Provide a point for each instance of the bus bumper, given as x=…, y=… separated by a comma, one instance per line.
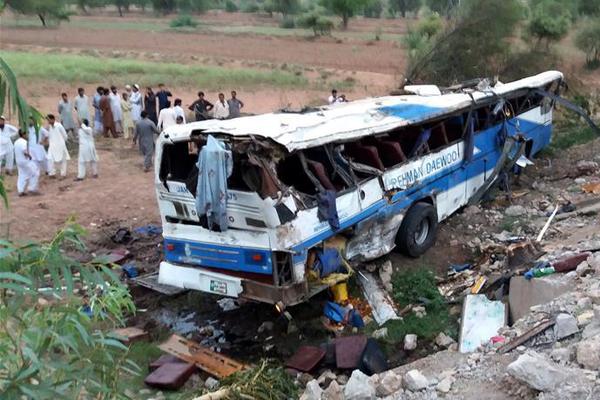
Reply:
x=205, y=280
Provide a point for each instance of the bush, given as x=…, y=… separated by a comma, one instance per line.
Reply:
x=319, y=24
x=587, y=40
x=287, y=23
x=250, y=7
x=230, y=6
x=550, y=20
x=183, y=21
x=373, y=9
x=430, y=26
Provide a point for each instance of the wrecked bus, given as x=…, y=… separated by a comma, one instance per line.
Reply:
x=364, y=177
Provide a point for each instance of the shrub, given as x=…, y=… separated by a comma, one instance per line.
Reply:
x=373, y=9
x=550, y=20
x=287, y=23
x=230, y=6
x=587, y=40
x=250, y=7
x=183, y=21
x=319, y=24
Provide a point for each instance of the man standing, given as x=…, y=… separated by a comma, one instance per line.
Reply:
x=7, y=153
x=127, y=120
x=108, y=121
x=57, y=149
x=201, y=107
x=235, y=105
x=150, y=104
x=167, y=117
x=163, y=97
x=36, y=149
x=115, y=107
x=65, y=110
x=136, y=103
x=221, y=108
x=87, y=151
x=333, y=98
x=145, y=130
x=178, y=110
x=81, y=105
x=27, y=170
x=98, y=127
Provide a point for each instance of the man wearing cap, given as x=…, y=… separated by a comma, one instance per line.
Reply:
x=7, y=154
x=136, y=103
x=57, y=148
x=27, y=170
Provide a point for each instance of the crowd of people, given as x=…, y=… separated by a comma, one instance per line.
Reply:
x=42, y=148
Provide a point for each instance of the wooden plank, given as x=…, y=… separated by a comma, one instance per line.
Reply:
x=536, y=330
x=130, y=335
x=207, y=360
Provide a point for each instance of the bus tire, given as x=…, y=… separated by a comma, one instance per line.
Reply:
x=418, y=230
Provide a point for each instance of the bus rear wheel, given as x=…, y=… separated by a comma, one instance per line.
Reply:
x=418, y=230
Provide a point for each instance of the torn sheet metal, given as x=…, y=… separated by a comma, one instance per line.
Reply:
x=374, y=238
x=481, y=319
x=383, y=308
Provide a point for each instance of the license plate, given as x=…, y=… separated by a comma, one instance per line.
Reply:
x=219, y=287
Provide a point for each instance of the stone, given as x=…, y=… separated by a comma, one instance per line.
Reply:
x=515, y=211
x=524, y=293
x=566, y=325
x=380, y=333
x=371, y=267
x=312, y=392
x=359, y=387
x=342, y=379
x=211, y=383
x=588, y=353
x=584, y=269
x=304, y=378
x=445, y=385
x=385, y=274
x=333, y=392
x=537, y=372
x=586, y=167
x=562, y=355
x=584, y=303
x=410, y=342
x=444, y=340
x=388, y=384
x=414, y=380
x=326, y=378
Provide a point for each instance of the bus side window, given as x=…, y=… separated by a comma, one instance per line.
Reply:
x=438, y=137
x=455, y=127
x=291, y=172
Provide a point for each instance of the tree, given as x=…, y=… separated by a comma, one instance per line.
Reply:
x=85, y=4
x=164, y=6
x=442, y=7
x=474, y=43
x=550, y=20
x=373, y=9
x=44, y=9
x=192, y=5
x=319, y=24
x=286, y=7
x=344, y=8
x=589, y=7
x=587, y=40
x=404, y=6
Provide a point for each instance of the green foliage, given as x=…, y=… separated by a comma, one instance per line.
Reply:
x=269, y=7
x=230, y=6
x=430, y=26
x=266, y=381
x=164, y=6
x=404, y=6
x=49, y=347
x=319, y=24
x=373, y=9
x=199, y=6
x=183, y=21
x=589, y=7
x=11, y=99
x=587, y=40
x=45, y=10
x=286, y=7
x=249, y=7
x=550, y=20
x=474, y=43
x=443, y=7
x=345, y=9
x=287, y=22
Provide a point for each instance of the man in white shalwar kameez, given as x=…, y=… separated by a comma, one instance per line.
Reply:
x=37, y=151
x=167, y=117
x=115, y=107
x=7, y=152
x=87, y=151
x=82, y=105
x=136, y=103
x=27, y=181
x=57, y=149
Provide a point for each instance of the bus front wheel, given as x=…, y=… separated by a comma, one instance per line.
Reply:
x=418, y=230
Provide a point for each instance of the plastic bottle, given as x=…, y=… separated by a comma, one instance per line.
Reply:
x=538, y=272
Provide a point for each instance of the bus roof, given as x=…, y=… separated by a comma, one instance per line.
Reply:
x=352, y=120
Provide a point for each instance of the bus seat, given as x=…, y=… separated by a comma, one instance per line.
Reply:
x=319, y=171
x=367, y=155
x=391, y=153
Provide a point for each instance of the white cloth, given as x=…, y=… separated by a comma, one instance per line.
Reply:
x=87, y=147
x=57, y=149
x=36, y=149
x=179, y=112
x=221, y=110
x=115, y=106
x=27, y=170
x=83, y=108
x=7, y=153
x=82, y=168
x=166, y=118
x=62, y=166
x=332, y=99
x=136, y=106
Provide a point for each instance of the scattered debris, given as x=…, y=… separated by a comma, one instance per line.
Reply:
x=565, y=326
x=513, y=344
x=359, y=387
x=410, y=342
x=150, y=281
x=414, y=380
x=170, y=376
x=373, y=361
x=444, y=341
x=481, y=320
x=228, y=304
x=130, y=335
x=592, y=187
x=349, y=351
x=383, y=308
x=525, y=293
x=537, y=372
x=306, y=358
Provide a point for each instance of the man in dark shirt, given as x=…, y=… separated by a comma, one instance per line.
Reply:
x=163, y=97
x=235, y=105
x=150, y=105
x=201, y=107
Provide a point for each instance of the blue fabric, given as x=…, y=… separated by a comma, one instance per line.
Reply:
x=327, y=209
x=214, y=167
x=130, y=270
x=421, y=140
x=334, y=312
x=356, y=320
x=328, y=262
x=148, y=230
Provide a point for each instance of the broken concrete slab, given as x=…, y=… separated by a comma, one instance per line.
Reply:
x=565, y=326
x=312, y=391
x=383, y=308
x=525, y=293
x=359, y=387
x=170, y=376
x=306, y=358
x=414, y=380
x=481, y=319
x=588, y=353
x=389, y=383
x=537, y=372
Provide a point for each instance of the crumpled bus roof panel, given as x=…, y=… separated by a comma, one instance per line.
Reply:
x=352, y=120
